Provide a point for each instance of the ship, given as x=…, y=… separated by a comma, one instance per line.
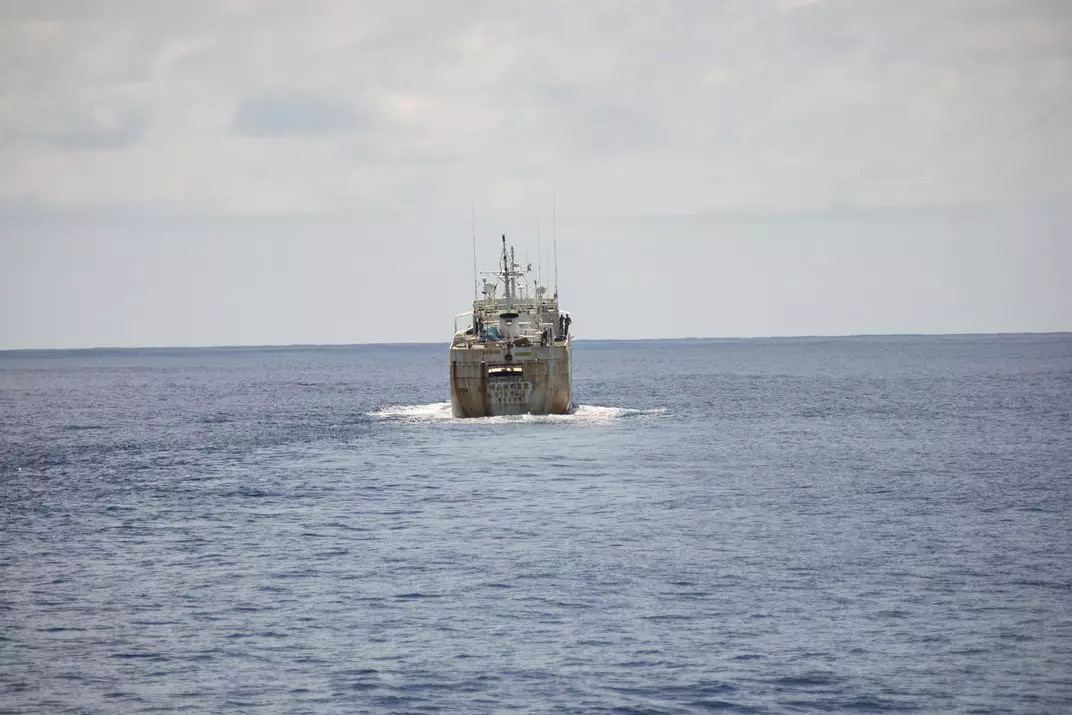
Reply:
x=514, y=354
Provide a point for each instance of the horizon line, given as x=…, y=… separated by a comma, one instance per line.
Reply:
x=286, y=346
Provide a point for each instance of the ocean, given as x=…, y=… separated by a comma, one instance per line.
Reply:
x=739, y=526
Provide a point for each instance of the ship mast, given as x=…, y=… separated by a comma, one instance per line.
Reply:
x=506, y=272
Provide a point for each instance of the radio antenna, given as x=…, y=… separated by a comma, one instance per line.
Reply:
x=539, y=259
x=554, y=238
x=472, y=208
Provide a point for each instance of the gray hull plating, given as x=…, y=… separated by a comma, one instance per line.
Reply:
x=536, y=380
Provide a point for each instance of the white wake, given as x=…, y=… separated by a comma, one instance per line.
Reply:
x=433, y=412
x=441, y=412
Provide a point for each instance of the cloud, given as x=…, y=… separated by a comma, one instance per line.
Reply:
x=293, y=113
x=113, y=136
x=791, y=5
x=658, y=107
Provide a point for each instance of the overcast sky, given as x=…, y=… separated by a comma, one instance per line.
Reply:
x=241, y=172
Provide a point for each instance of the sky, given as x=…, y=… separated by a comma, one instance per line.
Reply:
x=239, y=172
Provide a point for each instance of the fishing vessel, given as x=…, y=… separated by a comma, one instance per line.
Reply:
x=515, y=355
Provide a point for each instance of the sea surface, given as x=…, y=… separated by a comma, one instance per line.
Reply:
x=735, y=526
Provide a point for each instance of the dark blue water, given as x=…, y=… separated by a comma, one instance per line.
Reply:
x=859, y=524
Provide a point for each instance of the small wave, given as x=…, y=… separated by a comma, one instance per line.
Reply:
x=597, y=413
x=441, y=412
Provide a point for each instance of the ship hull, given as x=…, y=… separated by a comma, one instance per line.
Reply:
x=488, y=381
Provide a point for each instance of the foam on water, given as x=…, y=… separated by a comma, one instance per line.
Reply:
x=441, y=412
x=432, y=412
